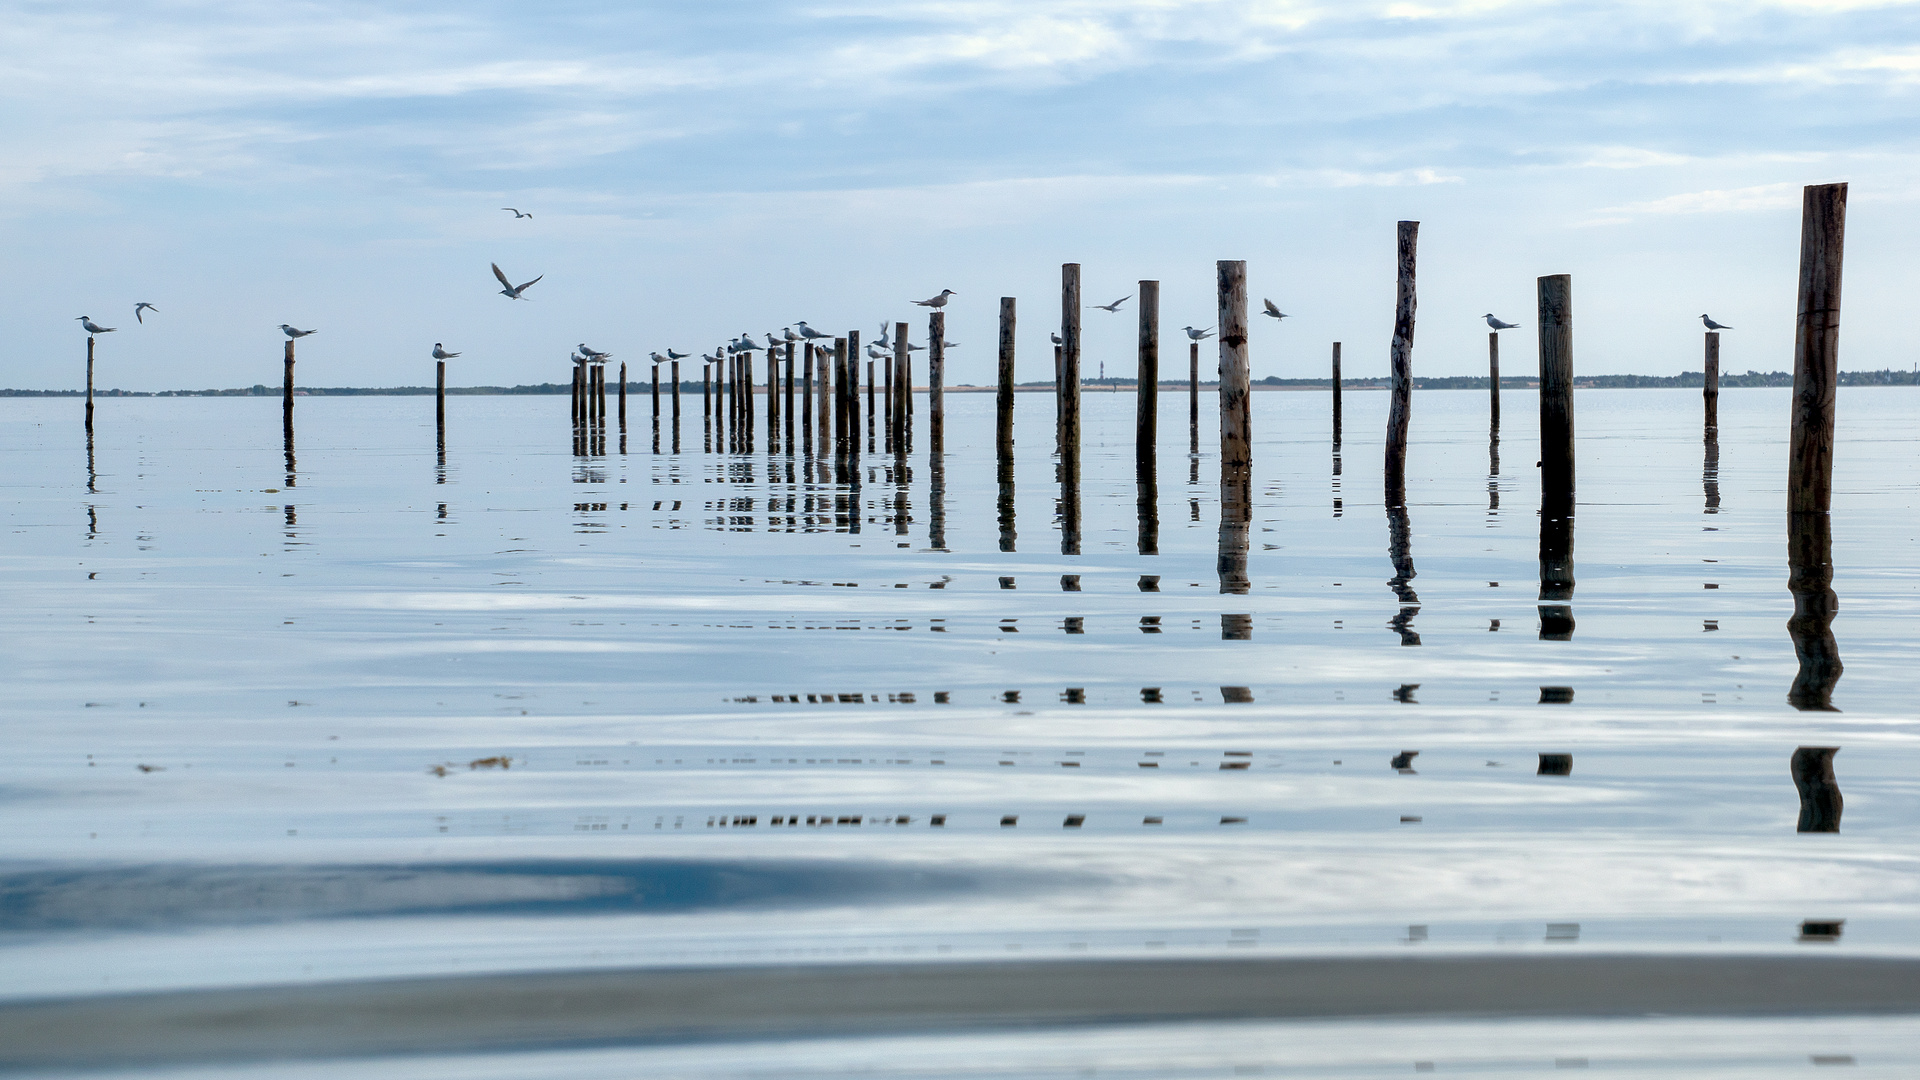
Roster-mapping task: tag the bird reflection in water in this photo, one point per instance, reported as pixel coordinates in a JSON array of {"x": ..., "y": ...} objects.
[
  {"x": 1400, "y": 551},
  {"x": 1810, "y": 580}
]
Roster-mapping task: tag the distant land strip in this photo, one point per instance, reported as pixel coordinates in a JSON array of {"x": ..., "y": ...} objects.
[{"x": 1884, "y": 377}]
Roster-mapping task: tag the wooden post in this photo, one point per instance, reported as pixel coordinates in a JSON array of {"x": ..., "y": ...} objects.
[
  {"x": 806, "y": 387},
  {"x": 1059, "y": 399},
  {"x": 1146, "y": 392},
  {"x": 893, "y": 406},
  {"x": 1070, "y": 368},
  {"x": 748, "y": 412},
  {"x": 1493, "y": 377},
  {"x": 576, "y": 393},
  {"x": 1400, "y": 410},
  {"x": 903, "y": 386},
  {"x": 1556, "y": 396},
  {"x": 1236, "y": 414},
  {"x": 676, "y": 406},
  {"x": 440, "y": 393},
  {"x": 824, "y": 388},
  {"x": 90, "y": 380},
  {"x": 1710, "y": 384},
  {"x": 1003, "y": 399},
  {"x": 853, "y": 390},
  {"x": 773, "y": 396},
  {"x": 1336, "y": 393},
  {"x": 286, "y": 389},
  {"x": 842, "y": 431},
  {"x": 1816, "y": 349},
  {"x": 936, "y": 381},
  {"x": 871, "y": 415},
  {"x": 1193, "y": 397},
  {"x": 789, "y": 395}
]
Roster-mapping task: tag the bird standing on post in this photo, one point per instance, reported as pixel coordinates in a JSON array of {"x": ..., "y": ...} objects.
[
  {"x": 1498, "y": 325},
  {"x": 1113, "y": 307},
  {"x": 671, "y": 355},
  {"x": 1273, "y": 311},
  {"x": 808, "y": 332},
  {"x": 143, "y": 305},
  {"x": 1711, "y": 325},
  {"x": 93, "y": 328},
  {"x": 1198, "y": 335},
  {"x": 295, "y": 335},
  {"x": 440, "y": 353},
  {"x": 936, "y": 301},
  {"x": 512, "y": 291},
  {"x": 593, "y": 356}
]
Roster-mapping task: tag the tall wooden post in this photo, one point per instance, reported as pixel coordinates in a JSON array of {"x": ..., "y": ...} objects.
[
  {"x": 853, "y": 390},
  {"x": 1400, "y": 410},
  {"x": 1059, "y": 399},
  {"x": 841, "y": 430},
  {"x": 806, "y": 387},
  {"x": 676, "y": 405},
  {"x": 1710, "y": 384},
  {"x": 936, "y": 381},
  {"x": 576, "y": 393},
  {"x": 90, "y": 380},
  {"x": 1193, "y": 397},
  {"x": 789, "y": 395},
  {"x": 440, "y": 393},
  {"x": 871, "y": 415},
  {"x": 773, "y": 396},
  {"x": 286, "y": 389},
  {"x": 1070, "y": 367},
  {"x": 1236, "y": 413},
  {"x": 1146, "y": 404},
  {"x": 1493, "y": 377},
  {"x": 1556, "y": 396},
  {"x": 1816, "y": 349},
  {"x": 1003, "y": 399},
  {"x": 1336, "y": 393},
  {"x": 903, "y": 386},
  {"x": 823, "y": 387}
]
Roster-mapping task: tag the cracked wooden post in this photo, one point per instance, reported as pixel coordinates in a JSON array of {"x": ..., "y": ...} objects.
[
  {"x": 1003, "y": 399},
  {"x": 1556, "y": 396},
  {"x": 936, "y": 382},
  {"x": 1146, "y": 405},
  {"x": 1493, "y": 377},
  {"x": 440, "y": 395},
  {"x": 90, "y": 380},
  {"x": 1816, "y": 349},
  {"x": 286, "y": 389},
  {"x": 1336, "y": 393},
  {"x": 1400, "y": 409},
  {"x": 1070, "y": 368},
  {"x": 1235, "y": 380}
]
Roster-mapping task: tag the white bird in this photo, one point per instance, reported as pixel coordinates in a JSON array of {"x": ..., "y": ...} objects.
[
  {"x": 92, "y": 328},
  {"x": 442, "y": 354},
  {"x": 912, "y": 348},
  {"x": 809, "y": 332},
  {"x": 949, "y": 344},
  {"x": 592, "y": 354},
  {"x": 1055, "y": 337},
  {"x": 1273, "y": 311},
  {"x": 656, "y": 357},
  {"x": 671, "y": 355},
  {"x": 512, "y": 291},
  {"x": 788, "y": 334},
  {"x": 1198, "y": 335},
  {"x": 1115, "y": 306},
  {"x": 885, "y": 342},
  {"x": 517, "y": 214},
  {"x": 704, "y": 358},
  {"x": 578, "y": 359},
  {"x": 293, "y": 334},
  {"x": 1498, "y": 325},
  {"x": 874, "y": 352},
  {"x": 937, "y": 301},
  {"x": 772, "y": 342},
  {"x": 1711, "y": 325},
  {"x": 143, "y": 304}
]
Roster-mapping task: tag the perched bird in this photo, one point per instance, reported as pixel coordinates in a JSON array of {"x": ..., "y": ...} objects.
[
  {"x": 92, "y": 328},
  {"x": 706, "y": 359},
  {"x": 293, "y": 334},
  {"x": 1115, "y": 306},
  {"x": 442, "y": 354},
  {"x": 516, "y": 213},
  {"x": 772, "y": 342},
  {"x": 1498, "y": 325},
  {"x": 875, "y": 352},
  {"x": 788, "y": 334},
  {"x": 949, "y": 344},
  {"x": 578, "y": 359},
  {"x": 1055, "y": 337},
  {"x": 1272, "y": 310},
  {"x": 937, "y": 301},
  {"x": 512, "y": 291},
  {"x": 912, "y": 348},
  {"x": 656, "y": 357},
  {"x": 809, "y": 332},
  {"x": 1198, "y": 335},
  {"x": 143, "y": 304},
  {"x": 671, "y": 355},
  {"x": 1711, "y": 325},
  {"x": 591, "y": 354}
]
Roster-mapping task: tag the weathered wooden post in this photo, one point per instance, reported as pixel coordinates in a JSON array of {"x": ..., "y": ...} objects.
[
  {"x": 842, "y": 431},
  {"x": 824, "y": 389},
  {"x": 749, "y": 411},
  {"x": 1400, "y": 410},
  {"x": 440, "y": 395},
  {"x": 853, "y": 390},
  {"x": 773, "y": 397},
  {"x": 903, "y": 385},
  {"x": 90, "y": 380},
  {"x": 1236, "y": 412},
  {"x": 1710, "y": 383},
  {"x": 871, "y": 414},
  {"x": 1493, "y": 378},
  {"x": 893, "y": 406},
  {"x": 806, "y": 389},
  {"x": 1070, "y": 368},
  {"x": 1059, "y": 399},
  {"x": 789, "y": 395},
  {"x": 1556, "y": 395},
  {"x": 1336, "y": 394},
  {"x": 1193, "y": 398},
  {"x": 1003, "y": 398},
  {"x": 286, "y": 389},
  {"x": 936, "y": 382},
  {"x": 676, "y": 406},
  {"x": 1146, "y": 404},
  {"x": 1816, "y": 349},
  {"x": 575, "y": 402}
]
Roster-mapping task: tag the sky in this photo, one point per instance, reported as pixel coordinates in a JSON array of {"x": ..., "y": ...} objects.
[{"x": 696, "y": 171}]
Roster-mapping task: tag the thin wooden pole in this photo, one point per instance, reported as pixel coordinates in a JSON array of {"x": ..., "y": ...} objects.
[
  {"x": 1193, "y": 397},
  {"x": 773, "y": 396},
  {"x": 1003, "y": 400},
  {"x": 1146, "y": 392},
  {"x": 903, "y": 386},
  {"x": 893, "y": 406},
  {"x": 936, "y": 382},
  {"x": 676, "y": 405},
  {"x": 789, "y": 395},
  {"x": 440, "y": 393},
  {"x": 1710, "y": 385},
  {"x": 1070, "y": 367},
  {"x": 286, "y": 389},
  {"x": 1059, "y": 399},
  {"x": 1400, "y": 410},
  {"x": 871, "y": 415},
  {"x": 576, "y": 394},
  {"x": 1816, "y": 348},
  {"x": 1493, "y": 376},
  {"x": 824, "y": 388},
  {"x": 853, "y": 390},
  {"x": 747, "y": 410},
  {"x": 1236, "y": 414},
  {"x": 841, "y": 430},
  {"x": 1556, "y": 396},
  {"x": 90, "y": 380},
  {"x": 806, "y": 387},
  {"x": 1336, "y": 393}
]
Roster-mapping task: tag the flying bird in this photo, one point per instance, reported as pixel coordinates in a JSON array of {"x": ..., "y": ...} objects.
[
  {"x": 1115, "y": 306},
  {"x": 1198, "y": 335},
  {"x": 1498, "y": 325},
  {"x": 512, "y": 291},
  {"x": 1711, "y": 325},
  {"x": 442, "y": 354},
  {"x": 517, "y": 214},
  {"x": 1273, "y": 311},
  {"x": 937, "y": 301},
  {"x": 294, "y": 335},
  {"x": 143, "y": 305},
  {"x": 92, "y": 328},
  {"x": 885, "y": 342}
]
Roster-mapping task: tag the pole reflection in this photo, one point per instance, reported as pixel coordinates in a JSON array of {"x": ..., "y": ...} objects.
[
  {"x": 1400, "y": 552},
  {"x": 1810, "y": 580},
  {"x": 1236, "y": 499}
]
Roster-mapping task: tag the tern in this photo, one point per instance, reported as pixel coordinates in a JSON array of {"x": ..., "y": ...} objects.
[
  {"x": 517, "y": 214},
  {"x": 1115, "y": 306},
  {"x": 591, "y": 354},
  {"x": 1055, "y": 337},
  {"x": 1497, "y": 324},
  {"x": 512, "y": 291},
  {"x": 809, "y": 332},
  {"x": 92, "y": 328},
  {"x": 1273, "y": 311},
  {"x": 1198, "y": 335},
  {"x": 937, "y": 301},
  {"x": 772, "y": 342},
  {"x": 885, "y": 342},
  {"x": 706, "y": 359},
  {"x": 442, "y": 354},
  {"x": 1711, "y": 325},
  {"x": 671, "y": 355},
  {"x": 143, "y": 304},
  {"x": 875, "y": 352},
  {"x": 293, "y": 334},
  {"x": 656, "y": 357},
  {"x": 788, "y": 334}
]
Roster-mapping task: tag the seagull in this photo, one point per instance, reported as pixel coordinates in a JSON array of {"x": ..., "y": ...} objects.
[
  {"x": 1711, "y": 325},
  {"x": 1272, "y": 310},
  {"x": 512, "y": 291},
  {"x": 1498, "y": 325},
  {"x": 1055, "y": 337},
  {"x": 1115, "y": 306},
  {"x": 1198, "y": 335},
  {"x": 588, "y": 351},
  {"x": 93, "y": 329},
  {"x": 937, "y": 301},
  {"x": 442, "y": 354},
  {"x": 147, "y": 306},
  {"x": 517, "y": 214},
  {"x": 671, "y": 355},
  {"x": 293, "y": 334},
  {"x": 809, "y": 332}
]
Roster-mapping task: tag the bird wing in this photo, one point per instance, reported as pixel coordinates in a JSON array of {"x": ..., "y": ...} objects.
[
  {"x": 137, "y": 316},
  {"x": 501, "y": 276},
  {"x": 528, "y": 285},
  {"x": 1271, "y": 308}
]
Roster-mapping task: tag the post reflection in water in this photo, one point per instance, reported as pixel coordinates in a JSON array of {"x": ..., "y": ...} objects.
[
  {"x": 1810, "y": 580},
  {"x": 1493, "y": 465},
  {"x": 1147, "y": 504},
  {"x": 902, "y": 503},
  {"x": 1236, "y": 497},
  {"x": 1400, "y": 551},
  {"x": 287, "y": 434},
  {"x": 1710, "y": 472},
  {"x": 1339, "y": 503},
  {"x": 93, "y": 475},
  {"x": 1004, "y": 505},
  {"x": 1556, "y": 576},
  {"x": 937, "y": 501},
  {"x": 1820, "y": 801},
  {"x": 1068, "y": 512}
]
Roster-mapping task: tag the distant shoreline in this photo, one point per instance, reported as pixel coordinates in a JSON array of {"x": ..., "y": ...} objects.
[{"x": 1684, "y": 380}]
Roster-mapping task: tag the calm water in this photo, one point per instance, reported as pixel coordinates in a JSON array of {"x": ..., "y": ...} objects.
[{"x": 383, "y": 713}]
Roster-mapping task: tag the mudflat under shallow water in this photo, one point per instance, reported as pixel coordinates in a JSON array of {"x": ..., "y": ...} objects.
[{"x": 379, "y": 709}]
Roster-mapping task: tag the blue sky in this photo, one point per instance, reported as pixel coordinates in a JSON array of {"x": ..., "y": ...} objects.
[{"x": 700, "y": 170}]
